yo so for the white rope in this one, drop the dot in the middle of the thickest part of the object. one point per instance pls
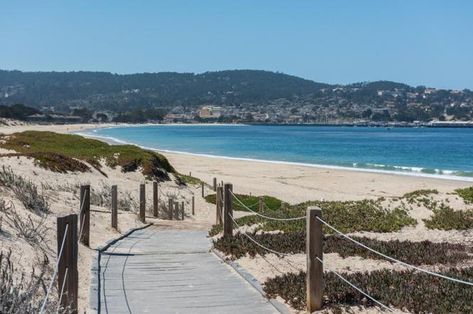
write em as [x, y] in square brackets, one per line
[55, 271]
[62, 290]
[393, 259]
[283, 255]
[256, 242]
[358, 289]
[267, 217]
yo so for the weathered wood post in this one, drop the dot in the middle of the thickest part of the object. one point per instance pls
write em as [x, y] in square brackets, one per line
[176, 210]
[142, 203]
[84, 228]
[215, 184]
[228, 211]
[314, 251]
[170, 208]
[67, 276]
[260, 204]
[203, 190]
[155, 199]
[182, 210]
[193, 205]
[218, 205]
[114, 207]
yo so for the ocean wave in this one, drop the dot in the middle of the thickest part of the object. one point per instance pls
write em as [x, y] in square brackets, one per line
[432, 171]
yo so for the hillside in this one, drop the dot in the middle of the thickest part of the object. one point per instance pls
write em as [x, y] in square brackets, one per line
[113, 91]
[241, 95]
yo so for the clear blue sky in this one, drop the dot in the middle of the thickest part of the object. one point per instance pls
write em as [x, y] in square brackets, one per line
[419, 42]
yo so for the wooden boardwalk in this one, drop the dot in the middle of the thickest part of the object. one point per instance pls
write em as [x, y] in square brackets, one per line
[172, 271]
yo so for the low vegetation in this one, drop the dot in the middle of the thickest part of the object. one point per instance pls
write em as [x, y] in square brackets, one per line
[446, 218]
[412, 291]
[347, 216]
[417, 253]
[25, 190]
[188, 180]
[250, 201]
[67, 152]
[22, 292]
[466, 194]
[32, 229]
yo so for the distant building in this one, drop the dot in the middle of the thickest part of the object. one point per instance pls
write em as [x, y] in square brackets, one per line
[210, 112]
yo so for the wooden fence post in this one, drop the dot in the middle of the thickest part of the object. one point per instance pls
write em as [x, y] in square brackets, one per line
[155, 199]
[176, 210]
[67, 275]
[218, 205]
[260, 204]
[215, 184]
[114, 207]
[182, 210]
[314, 251]
[84, 228]
[142, 203]
[193, 205]
[170, 208]
[228, 211]
[203, 191]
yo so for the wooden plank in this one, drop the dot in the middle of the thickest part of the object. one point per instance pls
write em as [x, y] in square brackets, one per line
[67, 269]
[84, 229]
[114, 207]
[314, 251]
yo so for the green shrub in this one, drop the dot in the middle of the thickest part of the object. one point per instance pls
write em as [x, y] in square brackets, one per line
[407, 290]
[250, 201]
[446, 218]
[466, 194]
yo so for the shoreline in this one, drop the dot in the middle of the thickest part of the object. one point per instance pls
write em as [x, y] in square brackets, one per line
[116, 141]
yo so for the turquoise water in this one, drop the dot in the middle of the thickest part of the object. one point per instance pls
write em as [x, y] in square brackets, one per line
[437, 151]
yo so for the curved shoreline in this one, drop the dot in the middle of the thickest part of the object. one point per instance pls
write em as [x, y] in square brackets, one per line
[113, 140]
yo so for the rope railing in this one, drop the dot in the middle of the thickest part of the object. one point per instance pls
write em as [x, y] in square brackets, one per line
[392, 259]
[264, 216]
[358, 289]
[280, 254]
[45, 301]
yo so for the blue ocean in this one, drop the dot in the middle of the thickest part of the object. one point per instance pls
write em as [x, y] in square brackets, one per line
[431, 151]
